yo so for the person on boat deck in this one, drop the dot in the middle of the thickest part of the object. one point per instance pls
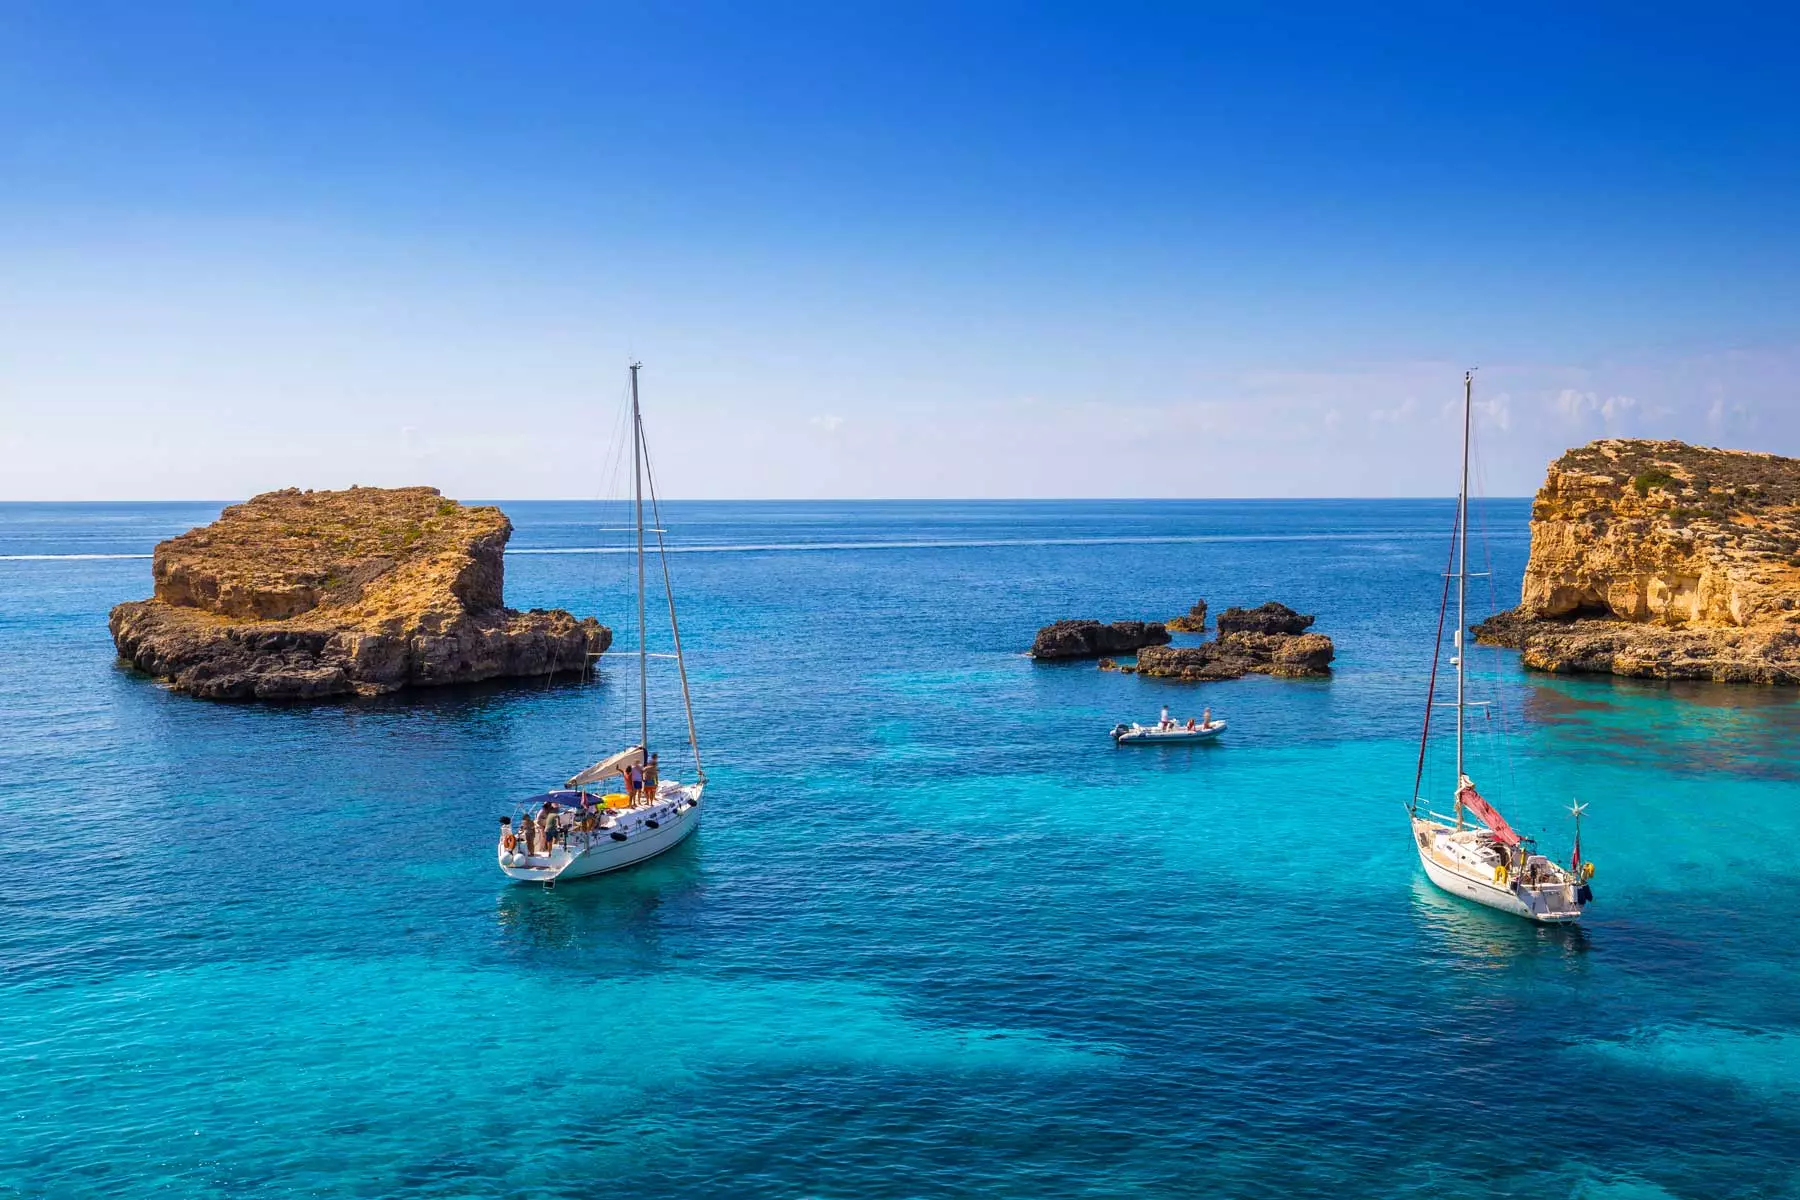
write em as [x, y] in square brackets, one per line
[528, 834]
[1191, 726]
[633, 782]
[651, 777]
[1206, 718]
[1165, 723]
[547, 823]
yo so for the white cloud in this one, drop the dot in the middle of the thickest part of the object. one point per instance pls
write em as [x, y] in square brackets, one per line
[829, 422]
[1397, 415]
[1495, 413]
[1724, 420]
[1576, 406]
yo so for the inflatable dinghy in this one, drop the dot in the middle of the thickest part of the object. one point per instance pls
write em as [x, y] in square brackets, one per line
[1136, 735]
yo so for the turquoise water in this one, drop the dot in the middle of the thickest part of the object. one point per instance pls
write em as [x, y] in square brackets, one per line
[937, 937]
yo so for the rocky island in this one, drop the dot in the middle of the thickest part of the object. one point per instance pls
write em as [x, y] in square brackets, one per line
[1191, 621]
[1270, 639]
[1661, 560]
[1091, 639]
[296, 595]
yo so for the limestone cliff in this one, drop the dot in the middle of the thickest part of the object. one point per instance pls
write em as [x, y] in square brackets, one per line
[297, 594]
[1662, 560]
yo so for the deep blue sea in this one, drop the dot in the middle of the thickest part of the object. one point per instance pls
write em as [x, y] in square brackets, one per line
[937, 937]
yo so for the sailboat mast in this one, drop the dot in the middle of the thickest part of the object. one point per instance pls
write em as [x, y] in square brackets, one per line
[637, 481]
[1462, 576]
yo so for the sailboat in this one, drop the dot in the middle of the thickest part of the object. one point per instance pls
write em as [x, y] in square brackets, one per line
[620, 811]
[1486, 860]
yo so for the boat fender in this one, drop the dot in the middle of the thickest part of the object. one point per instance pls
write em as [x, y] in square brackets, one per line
[617, 836]
[653, 824]
[509, 841]
[507, 860]
[1587, 871]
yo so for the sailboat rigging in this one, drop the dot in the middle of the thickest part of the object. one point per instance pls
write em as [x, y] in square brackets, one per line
[1488, 862]
[575, 831]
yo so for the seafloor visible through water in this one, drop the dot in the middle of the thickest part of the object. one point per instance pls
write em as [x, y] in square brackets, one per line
[937, 936]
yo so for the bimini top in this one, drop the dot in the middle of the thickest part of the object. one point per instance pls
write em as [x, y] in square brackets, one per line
[632, 756]
[571, 800]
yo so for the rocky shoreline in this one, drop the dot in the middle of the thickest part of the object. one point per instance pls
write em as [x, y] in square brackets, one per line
[1660, 560]
[300, 595]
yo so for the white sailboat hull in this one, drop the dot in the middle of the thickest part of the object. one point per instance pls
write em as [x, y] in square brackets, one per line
[1553, 904]
[649, 830]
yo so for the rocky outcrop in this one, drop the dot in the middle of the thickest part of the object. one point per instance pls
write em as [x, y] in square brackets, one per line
[1270, 617]
[1091, 639]
[298, 595]
[1661, 560]
[1191, 621]
[1270, 639]
[1234, 655]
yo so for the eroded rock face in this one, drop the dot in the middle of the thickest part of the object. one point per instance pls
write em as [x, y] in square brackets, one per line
[299, 595]
[1091, 639]
[1661, 560]
[1191, 621]
[1271, 617]
[1234, 655]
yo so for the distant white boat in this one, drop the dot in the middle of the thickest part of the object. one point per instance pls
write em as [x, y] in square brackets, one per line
[1488, 862]
[587, 827]
[1141, 735]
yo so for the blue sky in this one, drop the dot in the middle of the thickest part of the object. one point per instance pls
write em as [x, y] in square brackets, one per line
[885, 250]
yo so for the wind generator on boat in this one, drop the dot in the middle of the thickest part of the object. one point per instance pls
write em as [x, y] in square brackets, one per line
[1490, 862]
[578, 829]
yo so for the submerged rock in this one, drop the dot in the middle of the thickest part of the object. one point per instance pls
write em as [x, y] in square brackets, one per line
[298, 595]
[1660, 560]
[1091, 639]
[1192, 621]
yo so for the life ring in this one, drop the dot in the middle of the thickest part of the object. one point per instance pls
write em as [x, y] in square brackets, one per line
[508, 842]
[1587, 871]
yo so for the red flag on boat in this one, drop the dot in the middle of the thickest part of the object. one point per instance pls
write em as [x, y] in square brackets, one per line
[1471, 799]
[1575, 858]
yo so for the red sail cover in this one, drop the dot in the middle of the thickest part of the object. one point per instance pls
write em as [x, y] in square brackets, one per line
[1471, 800]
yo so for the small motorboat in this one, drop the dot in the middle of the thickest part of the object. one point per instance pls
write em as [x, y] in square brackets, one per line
[1136, 735]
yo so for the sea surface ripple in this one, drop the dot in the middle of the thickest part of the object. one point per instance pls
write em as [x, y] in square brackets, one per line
[937, 936]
